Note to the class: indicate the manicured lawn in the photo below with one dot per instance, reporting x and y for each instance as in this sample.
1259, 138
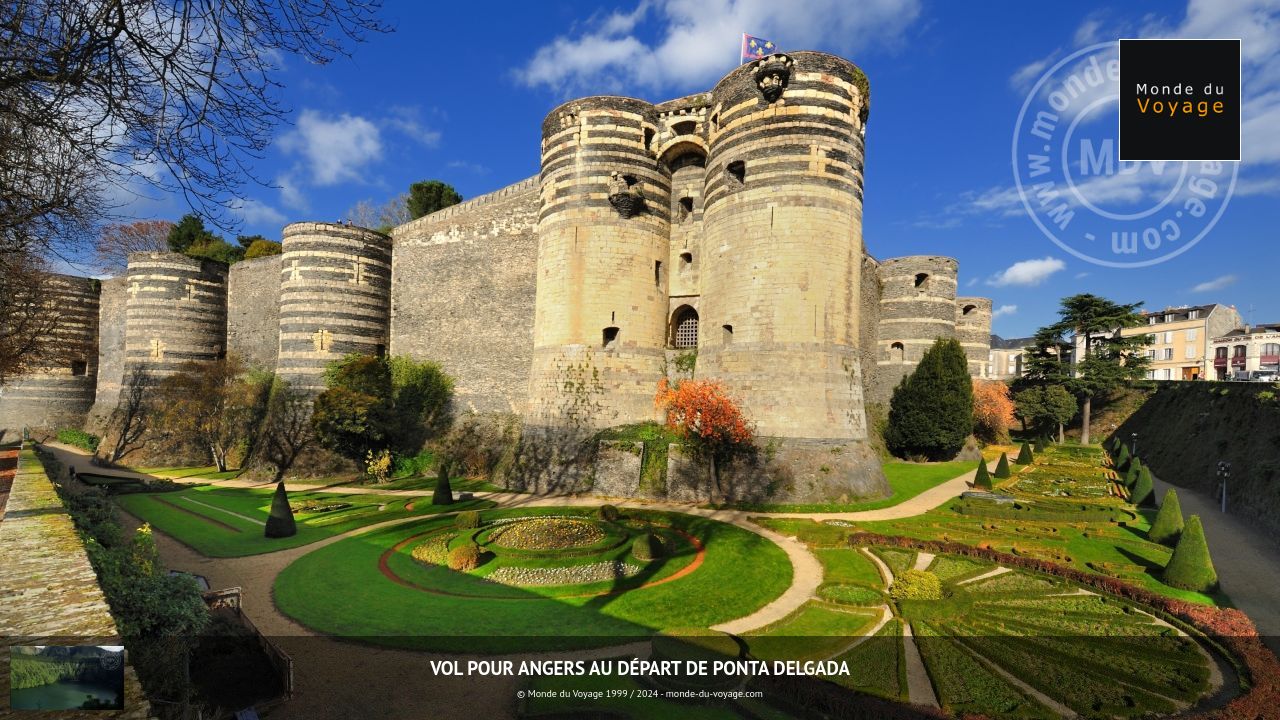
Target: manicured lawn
841, 566
229, 522
340, 590
817, 631
209, 472
907, 480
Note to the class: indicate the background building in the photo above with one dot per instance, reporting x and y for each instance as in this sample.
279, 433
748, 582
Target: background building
1179, 339
1006, 357
1246, 350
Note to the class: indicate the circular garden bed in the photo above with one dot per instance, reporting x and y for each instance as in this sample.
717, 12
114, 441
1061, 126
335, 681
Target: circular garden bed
547, 578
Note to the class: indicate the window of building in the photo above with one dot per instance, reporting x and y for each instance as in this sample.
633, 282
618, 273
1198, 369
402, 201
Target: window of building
1168, 354
684, 128
1192, 334
1220, 353
735, 174
609, 337
1151, 374
380, 350
1193, 315
1164, 374
726, 334
897, 352
1151, 354
657, 273
648, 137
1152, 339
1271, 349
686, 208
968, 309
79, 367
686, 259
684, 327
1240, 351
1168, 337
1151, 320
1191, 351
1168, 318
921, 279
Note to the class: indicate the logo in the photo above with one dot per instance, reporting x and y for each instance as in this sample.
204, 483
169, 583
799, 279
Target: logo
1082, 196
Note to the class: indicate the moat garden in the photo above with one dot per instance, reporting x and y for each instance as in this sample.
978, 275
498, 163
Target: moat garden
1045, 595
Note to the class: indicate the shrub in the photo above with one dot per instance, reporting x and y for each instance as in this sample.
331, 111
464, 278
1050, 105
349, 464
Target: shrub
1122, 458
1024, 454
982, 480
404, 466
79, 438
465, 557
608, 513
262, 248
1042, 443
1143, 489
916, 585
1002, 467
280, 522
434, 550
378, 465
1131, 476
1168, 523
444, 491
1190, 566
931, 412
992, 410
467, 520
647, 547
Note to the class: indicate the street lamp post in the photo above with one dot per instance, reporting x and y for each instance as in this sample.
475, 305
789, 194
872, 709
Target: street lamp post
1133, 450
1224, 474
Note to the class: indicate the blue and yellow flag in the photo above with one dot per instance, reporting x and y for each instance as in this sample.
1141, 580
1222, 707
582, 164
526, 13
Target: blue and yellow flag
754, 48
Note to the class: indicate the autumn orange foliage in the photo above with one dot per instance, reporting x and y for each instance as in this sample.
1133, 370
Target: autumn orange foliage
703, 411
992, 410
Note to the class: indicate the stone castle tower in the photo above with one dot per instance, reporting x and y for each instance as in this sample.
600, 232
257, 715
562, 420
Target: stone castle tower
727, 223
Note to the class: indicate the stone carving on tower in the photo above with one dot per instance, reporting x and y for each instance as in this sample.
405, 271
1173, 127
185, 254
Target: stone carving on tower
772, 74
625, 195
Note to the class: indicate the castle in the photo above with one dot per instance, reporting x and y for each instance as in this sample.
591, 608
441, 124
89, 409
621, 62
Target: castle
727, 223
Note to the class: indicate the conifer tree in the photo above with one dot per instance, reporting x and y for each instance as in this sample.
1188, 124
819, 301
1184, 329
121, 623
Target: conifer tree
982, 480
1131, 475
1167, 526
931, 412
1024, 454
280, 522
1190, 566
1143, 489
444, 492
1002, 467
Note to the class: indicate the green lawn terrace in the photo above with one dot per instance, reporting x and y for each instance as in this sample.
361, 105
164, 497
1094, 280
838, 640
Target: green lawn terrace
230, 522
1063, 508
416, 481
532, 596
906, 480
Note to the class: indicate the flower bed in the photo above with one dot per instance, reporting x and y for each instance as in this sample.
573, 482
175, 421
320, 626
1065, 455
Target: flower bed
316, 506
567, 575
547, 534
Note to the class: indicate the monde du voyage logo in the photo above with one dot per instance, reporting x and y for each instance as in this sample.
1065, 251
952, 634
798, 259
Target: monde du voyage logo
1148, 187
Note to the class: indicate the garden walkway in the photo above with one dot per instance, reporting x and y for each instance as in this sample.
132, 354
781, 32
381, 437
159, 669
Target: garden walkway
1246, 560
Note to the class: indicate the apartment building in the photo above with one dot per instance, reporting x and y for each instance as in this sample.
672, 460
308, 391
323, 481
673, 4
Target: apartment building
1006, 357
1245, 350
1179, 339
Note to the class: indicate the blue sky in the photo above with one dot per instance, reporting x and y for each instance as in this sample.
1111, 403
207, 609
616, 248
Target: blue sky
459, 90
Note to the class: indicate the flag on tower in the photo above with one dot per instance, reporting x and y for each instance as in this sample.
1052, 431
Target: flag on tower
754, 48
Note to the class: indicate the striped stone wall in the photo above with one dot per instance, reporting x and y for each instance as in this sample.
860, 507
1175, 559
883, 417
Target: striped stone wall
973, 330
175, 311
335, 298
253, 311
59, 392
917, 306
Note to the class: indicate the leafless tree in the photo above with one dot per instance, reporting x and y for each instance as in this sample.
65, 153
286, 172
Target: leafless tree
115, 242
387, 215
288, 428
173, 95
30, 319
131, 417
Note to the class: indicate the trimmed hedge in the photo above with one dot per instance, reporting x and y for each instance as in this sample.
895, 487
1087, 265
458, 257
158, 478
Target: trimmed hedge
1190, 566
465, 557
916, 585
280, 522
79, 438
1024, 455
1143, 489
443, 494
982, 480
1002, 467
467, 520
608, 513
1167, 526
647, 547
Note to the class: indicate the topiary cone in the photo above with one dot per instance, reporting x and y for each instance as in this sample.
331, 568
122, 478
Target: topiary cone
1131, 475
982, 481
1024, 454
1167, 526
280, 521
1143, 489
1190, 567
444, 492
1002, 467
1122, 459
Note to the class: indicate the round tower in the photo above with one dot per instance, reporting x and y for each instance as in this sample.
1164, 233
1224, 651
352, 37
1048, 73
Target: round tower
782, 229
603, 252
973, 330
60, 390
335, 298
917, 306
175, 311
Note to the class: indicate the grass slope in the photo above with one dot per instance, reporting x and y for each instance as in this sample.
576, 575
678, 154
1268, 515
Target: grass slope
907, 480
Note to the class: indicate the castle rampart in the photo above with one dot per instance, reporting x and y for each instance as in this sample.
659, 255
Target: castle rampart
917, 306
973, 330
175, 312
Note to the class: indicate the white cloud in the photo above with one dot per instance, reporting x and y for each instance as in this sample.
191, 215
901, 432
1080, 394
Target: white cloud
1004, 310
291, 193
335, 149
469, 167
1027, 272
1217, 283
255, 212
1081, 275
408, 120
698, 40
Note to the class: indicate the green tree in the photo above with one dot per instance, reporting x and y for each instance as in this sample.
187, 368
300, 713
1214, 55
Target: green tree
247, 241
982, 480
262, 248
280, 522
1167, 526
213, 405
1002, 467
188, 231
1190, 566
421, 395
1108, 360
443, 494
428, 196
1024, 454
1143, 489
931, 412
287, 427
